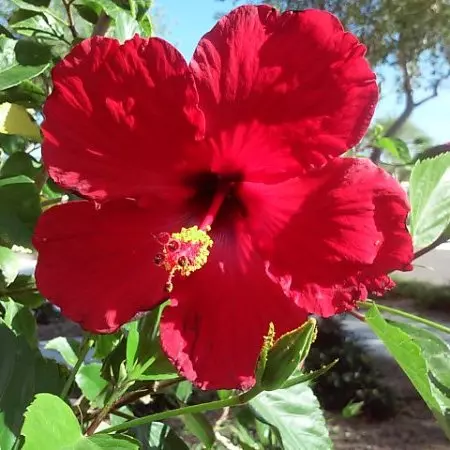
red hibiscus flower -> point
(217, 185)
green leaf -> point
(27, 94)
(89, 11)
(20, 207)
(20, 163)
(20, 15)
(145, 359)
(14, 119)
(296, 414)
(286, 354)
(105, 344)
(424, 358)
(430, 203)
(199, 426)
(10, 144)
(132, 345)
(91, 383)
(4, 31)
(20, 291)
(125, 27)
(11, 72)
(23, 373)
(158, 436)
(9, 267)
(88, 377)
(310, 376)
(142, 8)
(111, 8)
(396, 147)
(65, 348)
(352, 409)
(114, 365)
(21, 320)
(43, 3)
(51, 425)
(106, 442)
(31, 5)
(183, 391)
(246, 421)
(146, 26)
(32, 53)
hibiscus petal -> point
(317, 98)
(348, 233)
(213, 331)
(96, 264)
(110, 120)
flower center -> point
(183, 252)
(187, 251)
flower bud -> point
(286, 354)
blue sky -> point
(185, 21)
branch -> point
(404, 116)
(102, 25)
(67, 4)
(440, 240)
(432, 152)
(41, 179)
(434, 94)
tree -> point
(410, 36)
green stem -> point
(98, 419)
(122, 414)
(51, 201)
(84, 349)
(401, 313)
(202, 407)
(41, 179)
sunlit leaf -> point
(20, 319)
(91, 383)
(424, 358)
(429, 189)
(295, 413)
(14, 119)
(67, 349)
(51, 425)
(125, 27)
(395, 147)
(11, 72)
(9, 267)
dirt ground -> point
(413, 428)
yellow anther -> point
(185, 252)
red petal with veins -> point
(348, 233)
(213, 331)
(110, 120)
(297, 74)
(97, 265)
